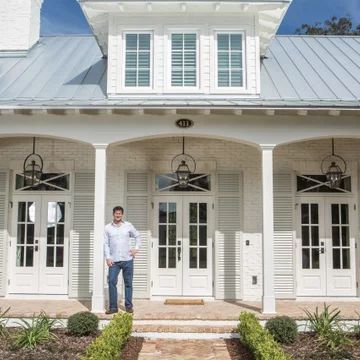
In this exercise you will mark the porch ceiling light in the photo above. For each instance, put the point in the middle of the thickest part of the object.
(336, 170)
(183, 165)
(32, 168)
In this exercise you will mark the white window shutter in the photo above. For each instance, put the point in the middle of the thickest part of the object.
(283, 236)
(136, 211)
(227, 237)
(3, 230)
(82, 237)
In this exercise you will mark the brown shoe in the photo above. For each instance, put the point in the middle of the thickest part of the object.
(111, 311)
(130, 310)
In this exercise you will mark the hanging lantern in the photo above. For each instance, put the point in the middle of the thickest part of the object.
(336, 170)
(32, 168)
(183, 165)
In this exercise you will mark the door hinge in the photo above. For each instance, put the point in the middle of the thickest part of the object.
(152, 283)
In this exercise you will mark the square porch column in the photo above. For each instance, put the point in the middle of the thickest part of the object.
(268, 299)
(97, 300)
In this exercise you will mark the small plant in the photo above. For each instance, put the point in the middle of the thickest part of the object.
(83, 323)
(283, 329)
(3, 322)
(35, 332)
(324, 322)
(335, 340)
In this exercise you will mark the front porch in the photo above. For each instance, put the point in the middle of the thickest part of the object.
(145, 310)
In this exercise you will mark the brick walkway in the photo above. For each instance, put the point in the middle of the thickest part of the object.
(184, 350)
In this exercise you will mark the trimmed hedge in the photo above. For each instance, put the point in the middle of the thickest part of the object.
(83, 323)
(109, 345)
(259, 340)
(283, 329)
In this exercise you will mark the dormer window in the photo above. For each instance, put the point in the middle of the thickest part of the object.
(184, 60)
(230, 63)
(137, 60)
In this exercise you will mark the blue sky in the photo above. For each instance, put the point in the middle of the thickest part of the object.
(65, 16)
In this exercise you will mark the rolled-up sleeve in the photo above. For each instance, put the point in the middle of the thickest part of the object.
(106, 245)
(136, 235)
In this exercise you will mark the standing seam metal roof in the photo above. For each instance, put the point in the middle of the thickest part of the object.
(297, 71)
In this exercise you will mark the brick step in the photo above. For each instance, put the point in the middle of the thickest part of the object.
(183, 329)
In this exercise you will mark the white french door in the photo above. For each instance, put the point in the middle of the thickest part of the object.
(39, 245)
(182, 246)
(326, 247)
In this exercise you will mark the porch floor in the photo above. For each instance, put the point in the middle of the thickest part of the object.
(157, 310)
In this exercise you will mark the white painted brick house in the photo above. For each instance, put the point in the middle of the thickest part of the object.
(258, 220)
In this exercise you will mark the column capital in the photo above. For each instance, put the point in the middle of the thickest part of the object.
(100, 146)
(267, 146)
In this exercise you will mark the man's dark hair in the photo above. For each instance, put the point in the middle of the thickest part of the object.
(118, 208)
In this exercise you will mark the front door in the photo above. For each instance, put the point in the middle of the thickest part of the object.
(182, 246)
(39, 245)
(326, 247)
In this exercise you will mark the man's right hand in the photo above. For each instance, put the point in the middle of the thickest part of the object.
(109, 262)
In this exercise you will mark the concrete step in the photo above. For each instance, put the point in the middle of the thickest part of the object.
(183, 329)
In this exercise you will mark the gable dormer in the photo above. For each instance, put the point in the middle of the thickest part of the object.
(190, 48)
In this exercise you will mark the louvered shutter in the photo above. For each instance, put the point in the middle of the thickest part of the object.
(3, 231)
(227, 237)
(283, 236)
(82, 237)
(137, 203)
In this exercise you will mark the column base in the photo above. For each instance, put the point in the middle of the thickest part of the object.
(97, 304)
(268, 305)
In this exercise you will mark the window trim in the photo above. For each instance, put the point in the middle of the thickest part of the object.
(137, 89)
(167, 52)
(228, 89)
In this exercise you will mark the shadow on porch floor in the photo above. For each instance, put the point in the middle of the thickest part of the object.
(156, 310)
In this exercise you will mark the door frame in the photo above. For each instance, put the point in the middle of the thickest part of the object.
(211, 223)
(352, 200)
(12, 239)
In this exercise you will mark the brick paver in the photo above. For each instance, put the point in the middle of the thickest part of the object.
(184, 350)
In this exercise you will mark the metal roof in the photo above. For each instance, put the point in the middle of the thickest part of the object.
(298, 71)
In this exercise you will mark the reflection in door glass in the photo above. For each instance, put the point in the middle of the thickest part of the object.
(310, 230)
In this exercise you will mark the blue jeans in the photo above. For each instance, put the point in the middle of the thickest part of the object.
(127, 268)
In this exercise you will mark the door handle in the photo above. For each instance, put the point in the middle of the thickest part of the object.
(179, 250)
(36, 245)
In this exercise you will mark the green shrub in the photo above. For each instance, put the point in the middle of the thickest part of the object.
(34, 332)
(109, 345)
(283, 329)
(83, 323)
(3, 322)
(259, 340)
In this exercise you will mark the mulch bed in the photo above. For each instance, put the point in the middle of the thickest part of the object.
(66, 347)
(132, 348)
(305, 348)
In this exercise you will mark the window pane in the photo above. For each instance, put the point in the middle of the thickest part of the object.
(202, 213)
(144, 60)
(236, 78)
(162, 234)
(305, 238)
(345, 236)
(144, 78)
(344, 213)
(193, 258)
(235, 42)
(223, 78)
(61, 212)
(335, 213)
(177, 41)
(60, 234)
(59, 256)
(203, 258)
(190, 77)
(31, 212)
(172, 235)
(20, 252)
(315, 236)
(315, 258)
(51, 234)
(203, 235)
(144, 41)
(21, 234)
(172, 213)
(177, 78)
(29, 256)
(162, 212)
(50, 256)
(305, 213)
(336, 259)
(223, 60)
(236, 60)
(131, 60)
(193, 213)
(190, 59)
(21, 211)
(30, 234)
(193, 235)
(346, 258)
(314, 213)
(306, 258)
(190, 41)
(162, 258)
(223, 41)
(130, 78)
(336, 236)
(131, 41)
(172, 258)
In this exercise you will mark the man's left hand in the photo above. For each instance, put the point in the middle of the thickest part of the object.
(133, 252)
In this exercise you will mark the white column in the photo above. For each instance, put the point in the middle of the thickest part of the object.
(268, 300)
(97, 300)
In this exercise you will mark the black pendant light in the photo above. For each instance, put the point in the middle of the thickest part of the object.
(32, 168)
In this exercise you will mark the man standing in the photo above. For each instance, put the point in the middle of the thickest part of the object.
(120, 256)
